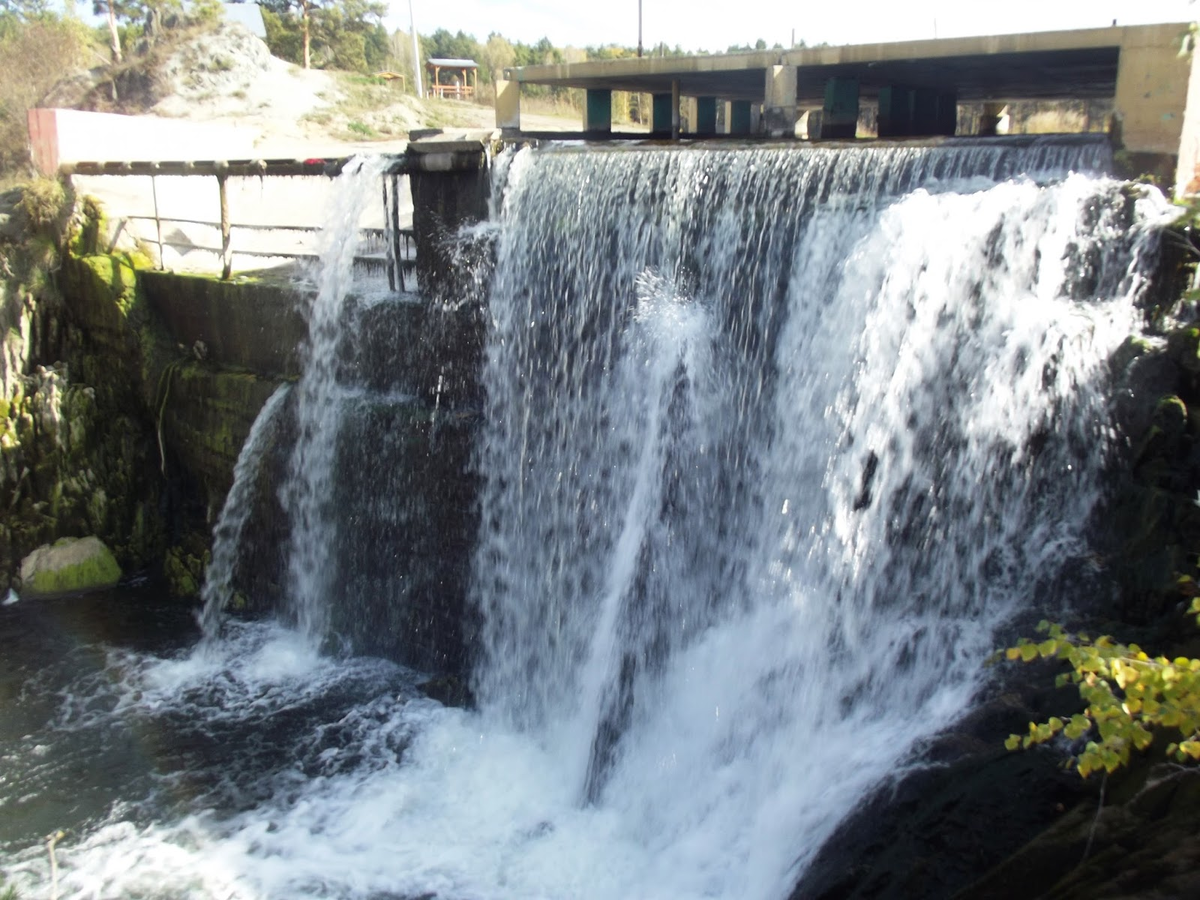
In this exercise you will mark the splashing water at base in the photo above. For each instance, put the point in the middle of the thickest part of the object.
(774, 440)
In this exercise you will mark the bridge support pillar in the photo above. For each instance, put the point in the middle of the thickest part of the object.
(738, 117)
(839, 116)
(1156, 110)
(597, 111)
(779, 102)
(706, 115)
(934, 112)
(895, 111)
(508, 104)
(666, 114)
(660, 123)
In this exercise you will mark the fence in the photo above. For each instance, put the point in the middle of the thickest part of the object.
(261, 214)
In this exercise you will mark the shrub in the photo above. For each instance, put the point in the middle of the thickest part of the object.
(36, 54)
(42, 201)
(1128, 694)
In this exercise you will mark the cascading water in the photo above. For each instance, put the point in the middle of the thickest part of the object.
(229, 530)
(734, 571)
(307, 493)
(774, 439)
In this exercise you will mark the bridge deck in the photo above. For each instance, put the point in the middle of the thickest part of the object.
(1048, 65)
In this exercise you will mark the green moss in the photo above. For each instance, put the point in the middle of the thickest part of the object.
(1183, 346)
(1170, 411)
(43, 200)
(183, 571)
(1133, 347)
(95, 567)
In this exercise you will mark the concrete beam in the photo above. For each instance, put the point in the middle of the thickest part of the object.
(508, 105)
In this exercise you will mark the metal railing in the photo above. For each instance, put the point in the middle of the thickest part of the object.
(396, 244)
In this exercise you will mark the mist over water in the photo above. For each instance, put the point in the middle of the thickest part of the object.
(774, 439)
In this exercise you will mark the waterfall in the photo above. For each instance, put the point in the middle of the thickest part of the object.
(774, 440)
(231, 524)
(307, 494)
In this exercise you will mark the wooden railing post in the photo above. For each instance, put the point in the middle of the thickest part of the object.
(226, 230)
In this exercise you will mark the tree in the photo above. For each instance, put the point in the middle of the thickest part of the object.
(340, 34)
(41, 47)
(1128, 696)
(108, 8)
(496, 55)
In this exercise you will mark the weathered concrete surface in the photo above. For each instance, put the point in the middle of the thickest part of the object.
(69, 135)
(253, 325)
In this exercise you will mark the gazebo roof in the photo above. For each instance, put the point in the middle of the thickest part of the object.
(453, 63)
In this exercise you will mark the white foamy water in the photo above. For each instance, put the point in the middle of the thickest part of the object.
(307, 493)
(774, 440)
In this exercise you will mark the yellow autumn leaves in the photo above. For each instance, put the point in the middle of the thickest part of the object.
(1128, 695)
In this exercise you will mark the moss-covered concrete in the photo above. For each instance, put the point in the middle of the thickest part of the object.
(205, 413)
(244, 323)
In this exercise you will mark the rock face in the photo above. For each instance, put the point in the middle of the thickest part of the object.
(77, 449)
(68, 566)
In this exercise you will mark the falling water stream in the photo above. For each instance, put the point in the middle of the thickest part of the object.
(774, 440)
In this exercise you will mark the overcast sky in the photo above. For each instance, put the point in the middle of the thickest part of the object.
(701, 24)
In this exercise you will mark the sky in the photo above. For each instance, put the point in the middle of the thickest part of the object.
(706, 25)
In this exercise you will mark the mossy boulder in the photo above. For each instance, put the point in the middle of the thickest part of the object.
(68, 566)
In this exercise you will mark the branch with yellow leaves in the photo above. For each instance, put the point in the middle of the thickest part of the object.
(1128, 696)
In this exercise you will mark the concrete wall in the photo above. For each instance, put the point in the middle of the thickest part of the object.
(60, 136)
(1156, 107)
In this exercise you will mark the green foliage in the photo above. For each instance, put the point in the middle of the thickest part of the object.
(42, 48)
(1128, 696)
(43, 200)
(343, 34)
(206, 11)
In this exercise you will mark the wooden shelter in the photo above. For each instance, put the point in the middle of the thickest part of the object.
(455, 78)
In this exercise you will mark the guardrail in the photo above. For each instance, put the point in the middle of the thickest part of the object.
(397, 244)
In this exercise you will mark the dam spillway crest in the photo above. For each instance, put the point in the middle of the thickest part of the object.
(770, 443)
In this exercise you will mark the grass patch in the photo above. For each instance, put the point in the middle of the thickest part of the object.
(360, 129)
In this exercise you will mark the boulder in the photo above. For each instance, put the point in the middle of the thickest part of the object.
(67, 566)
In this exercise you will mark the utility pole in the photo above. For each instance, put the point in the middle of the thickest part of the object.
(639, 29)
(416, 50)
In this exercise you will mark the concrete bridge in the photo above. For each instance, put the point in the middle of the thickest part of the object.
(915, 86)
